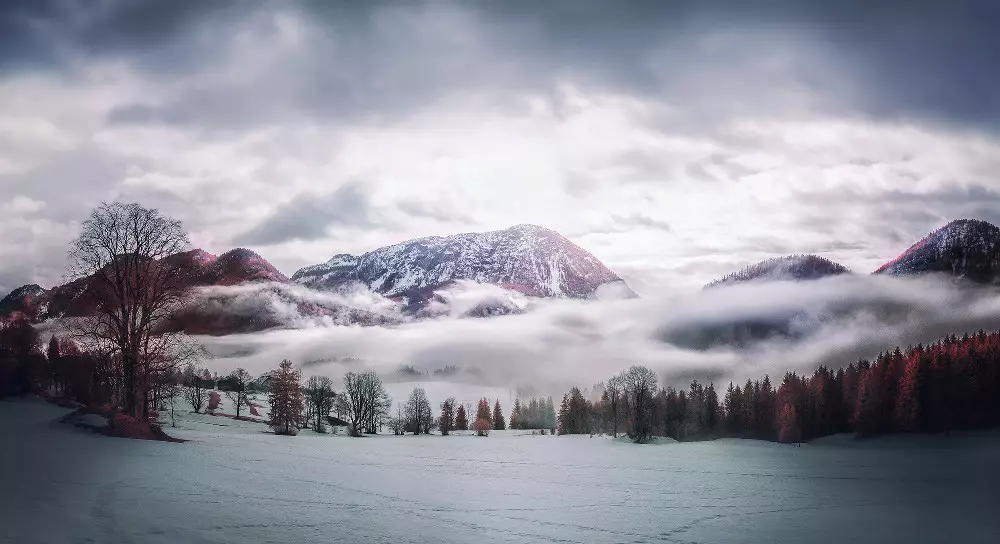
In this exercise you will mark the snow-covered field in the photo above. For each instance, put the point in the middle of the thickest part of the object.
(234, 482)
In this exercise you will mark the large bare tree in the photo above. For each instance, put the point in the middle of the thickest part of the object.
(368, 401)
(613, 393)
(638, 388)
(121, 251)
(319, 399)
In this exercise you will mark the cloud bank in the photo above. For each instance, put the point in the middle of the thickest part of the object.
(676, 141)
(559, 343)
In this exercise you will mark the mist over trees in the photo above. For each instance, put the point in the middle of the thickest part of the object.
(537, 413)
(951, 384)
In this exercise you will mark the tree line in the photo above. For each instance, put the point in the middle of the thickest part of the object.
(949, 385)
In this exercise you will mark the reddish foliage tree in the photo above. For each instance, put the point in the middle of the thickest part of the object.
(461, 420)
(483, 427)
(788, 425)
(483, 415)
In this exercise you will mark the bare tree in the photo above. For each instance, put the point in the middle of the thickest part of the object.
(319, 398)
(419, 416)
(341, 406)
(122, 252)
(639, 386)
(367, 401)
(613, 394)
(396, 423)
(195, 394)
(237, 389)
(286, 399)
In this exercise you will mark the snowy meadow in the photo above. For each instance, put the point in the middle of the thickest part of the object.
(233, 481)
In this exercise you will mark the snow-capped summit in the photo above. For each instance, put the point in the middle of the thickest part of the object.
(526, 258)
(964, 248)
(792, 267)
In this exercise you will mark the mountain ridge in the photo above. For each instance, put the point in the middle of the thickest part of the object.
(529, 259)
(964, 248)
(790, 267)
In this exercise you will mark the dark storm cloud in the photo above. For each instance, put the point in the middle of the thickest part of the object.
(308, 216)
(902, 216)
(888, 59)
(49, 33)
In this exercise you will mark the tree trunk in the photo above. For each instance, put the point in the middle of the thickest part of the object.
(128, 368)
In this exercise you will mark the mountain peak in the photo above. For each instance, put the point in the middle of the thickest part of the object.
(965, 248)
(242, 265)
(23, 299)
(527, 258)
(240, 254)
(789, 267)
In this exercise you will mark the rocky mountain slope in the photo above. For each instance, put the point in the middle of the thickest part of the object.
(239, 291)
(965, 248)
(793, 267)
(528, 259)
(200, 268)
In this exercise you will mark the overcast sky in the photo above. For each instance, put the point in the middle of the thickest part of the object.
(676, 141)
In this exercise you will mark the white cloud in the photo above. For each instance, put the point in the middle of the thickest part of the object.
(557, 344)
(464, 136)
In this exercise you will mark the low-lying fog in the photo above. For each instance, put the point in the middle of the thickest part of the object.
(717, 335)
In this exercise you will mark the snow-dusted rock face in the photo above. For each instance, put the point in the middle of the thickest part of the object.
(24, 299)
(966, 248)
(791, 268)
(529, 259)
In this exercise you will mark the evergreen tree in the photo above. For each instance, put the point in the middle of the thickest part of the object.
(788, 425)
(866, 415)
(549, 415)
(483, 418)
(564, 416)
(711, 410)
(515, 415)
(461, 420)
(55, 367)
(498, 421)
(447, 419)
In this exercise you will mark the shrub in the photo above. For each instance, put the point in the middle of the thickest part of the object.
(483, 427)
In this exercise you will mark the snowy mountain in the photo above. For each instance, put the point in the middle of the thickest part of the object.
(793, 267)
(965, 248)
(528, 259)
